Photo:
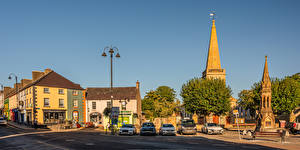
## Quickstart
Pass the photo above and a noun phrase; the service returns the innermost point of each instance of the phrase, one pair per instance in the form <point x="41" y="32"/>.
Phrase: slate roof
<point x="51" y="79"/>
<point x="119" y="93"/>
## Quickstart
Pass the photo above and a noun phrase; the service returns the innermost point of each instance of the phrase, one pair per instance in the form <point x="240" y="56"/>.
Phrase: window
<point x="29" y="90"/>
<point x="123" y="105"/>
<point x="108" y="104"/>
<point x="75" y="103"/>
<point x="94" y="105"/>
<point x="46" y="90"/>
<point x="30" y="105"/>
<point x="46" y="102"/>
<point x="75" y="92"/>
<point x="60" y="91"/>
<point x="26" y="102"/>
<point x="61" y="103"/>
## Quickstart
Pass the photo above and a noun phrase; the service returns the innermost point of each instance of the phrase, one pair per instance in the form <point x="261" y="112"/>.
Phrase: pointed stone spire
<point x="213" y="57"/>
<point x="213" y="63"/>
<point x="266" y="77"/>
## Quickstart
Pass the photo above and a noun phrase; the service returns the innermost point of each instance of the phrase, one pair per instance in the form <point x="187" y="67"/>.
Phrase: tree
<point x="285" y="95"/>
<point x="159" y="103"/>
<point x="205" y="96"/>
<point x="107" y="112"/>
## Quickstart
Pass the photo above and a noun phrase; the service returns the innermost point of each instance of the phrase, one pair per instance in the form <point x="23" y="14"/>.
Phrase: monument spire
<point x="266" y="77"/>
<point x="213" y="63"/>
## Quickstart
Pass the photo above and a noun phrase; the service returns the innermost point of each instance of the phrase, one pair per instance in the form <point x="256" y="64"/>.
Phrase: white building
<point x="128" y="100"/>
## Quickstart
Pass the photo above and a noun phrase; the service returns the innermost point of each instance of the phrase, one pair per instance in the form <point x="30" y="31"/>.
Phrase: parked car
<point x="3" y="121"/>
<point x="294" y="127"/>
<point x="148" y="128"/>
<point x="167" y="129"/>
<point x="212" y="128"/>
<point x="187" y="126"/>
<point x="127" y="129"/>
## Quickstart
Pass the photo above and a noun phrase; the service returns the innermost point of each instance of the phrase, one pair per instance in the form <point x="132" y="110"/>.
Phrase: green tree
<point x="159" y="103"/>
<point x="285" y="95"/>
<point x="205" y="96"/>
<point x="107" y="112"/>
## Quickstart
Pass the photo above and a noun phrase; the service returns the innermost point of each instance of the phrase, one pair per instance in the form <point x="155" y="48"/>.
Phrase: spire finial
<point x="212" y="15"/>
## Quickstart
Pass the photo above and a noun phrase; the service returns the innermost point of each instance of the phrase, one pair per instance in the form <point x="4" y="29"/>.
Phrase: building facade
<point x="75" y="106"/>
<point x="127" y="99"/>
<point x="42" y="100"/>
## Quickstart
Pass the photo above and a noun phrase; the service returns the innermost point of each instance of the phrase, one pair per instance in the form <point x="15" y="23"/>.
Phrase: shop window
<point x="46" y="102"/>
<point x="46" y="90"/>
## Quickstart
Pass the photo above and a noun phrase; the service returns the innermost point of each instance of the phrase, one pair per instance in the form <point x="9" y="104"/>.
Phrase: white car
<point x="212" y="128"/>
<point x="167" y="129"/>
<point x="127" y="129"/>
<point x="3" y="121"/>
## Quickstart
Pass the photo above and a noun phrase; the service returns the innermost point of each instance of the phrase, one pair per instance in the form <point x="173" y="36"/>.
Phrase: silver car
<point x="167" y="129"/>
<point x="212" y="128"/>
<point x="3" y="121"/>
<point x="127" y="129"/>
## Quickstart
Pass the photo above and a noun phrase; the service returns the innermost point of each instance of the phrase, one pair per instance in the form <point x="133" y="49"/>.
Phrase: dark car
<point x="187" y="126"/>
<point x="148" y="128"/>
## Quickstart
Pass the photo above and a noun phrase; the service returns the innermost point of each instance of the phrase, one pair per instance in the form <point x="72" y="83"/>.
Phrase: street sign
<point x="115" y="115"/>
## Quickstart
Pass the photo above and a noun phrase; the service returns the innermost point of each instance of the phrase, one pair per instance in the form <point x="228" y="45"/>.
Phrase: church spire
<point x="213" y="57"/>
<point x="213" y="63"/>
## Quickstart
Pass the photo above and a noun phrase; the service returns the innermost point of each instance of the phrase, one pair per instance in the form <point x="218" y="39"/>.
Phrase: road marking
<point x="90" y="144"/>
<point x="70" y="140"/>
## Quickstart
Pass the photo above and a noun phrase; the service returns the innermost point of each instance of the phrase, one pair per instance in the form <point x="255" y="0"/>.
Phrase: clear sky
<point x="161" y="42"/>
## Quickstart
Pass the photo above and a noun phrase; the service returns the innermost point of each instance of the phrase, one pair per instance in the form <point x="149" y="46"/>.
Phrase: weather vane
<point x="212" y="15"/>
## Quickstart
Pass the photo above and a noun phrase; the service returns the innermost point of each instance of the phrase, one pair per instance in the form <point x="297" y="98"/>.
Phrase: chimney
<point x="137" y="84"/>
<point x="19" y="85"/>
<point x="6" y="90"/>
<point x="36" y="75"/>
<point x="25" y="82"/>
<point x="48" y="70"/>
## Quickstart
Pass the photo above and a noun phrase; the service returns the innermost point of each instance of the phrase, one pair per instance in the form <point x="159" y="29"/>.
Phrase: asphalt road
<point x="12" y="138"/>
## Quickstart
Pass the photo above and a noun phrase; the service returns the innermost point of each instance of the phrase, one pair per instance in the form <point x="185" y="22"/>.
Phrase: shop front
<point x="125" y="117"/>
<point x="95" y="118"/>
<point x="52" y="117"/>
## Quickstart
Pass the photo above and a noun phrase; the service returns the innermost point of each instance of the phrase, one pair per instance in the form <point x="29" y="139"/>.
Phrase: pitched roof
<point x="51" y="79"/>
<point x="119" y="93"/>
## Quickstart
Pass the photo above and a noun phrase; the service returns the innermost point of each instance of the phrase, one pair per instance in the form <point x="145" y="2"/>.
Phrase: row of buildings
<point x="49" y="98"/>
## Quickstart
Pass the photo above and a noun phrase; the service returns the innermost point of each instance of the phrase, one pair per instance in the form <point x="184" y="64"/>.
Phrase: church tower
<point x="213" y="64"/>
<point x="267" y="119"/>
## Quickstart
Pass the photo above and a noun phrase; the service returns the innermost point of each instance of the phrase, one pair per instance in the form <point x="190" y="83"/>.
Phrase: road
<point x="12" y="138"/>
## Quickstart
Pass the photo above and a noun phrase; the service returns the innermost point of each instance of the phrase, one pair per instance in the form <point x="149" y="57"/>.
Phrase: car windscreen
<point x="168" y="125"/>
<point x="127" y="126"/>
<point x="188" y="123"/>
<point x="211" y="125"/>
<point x="148" y="125"/>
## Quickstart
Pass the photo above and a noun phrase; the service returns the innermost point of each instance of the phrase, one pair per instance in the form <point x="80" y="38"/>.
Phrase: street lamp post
<point x="111" y="51"/>
<point x="1" y="111"/>
<point x="16" y="78"/>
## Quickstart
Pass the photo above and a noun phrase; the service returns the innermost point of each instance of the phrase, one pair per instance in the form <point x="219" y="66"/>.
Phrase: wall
<point x="53" y="101"/>
<point x="71" y="108"/>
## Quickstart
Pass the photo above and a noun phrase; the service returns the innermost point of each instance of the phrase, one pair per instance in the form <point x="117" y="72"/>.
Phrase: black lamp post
<point x="111" y="50"/>
<point x="16" y="78"/>
<point x="1" y="112"/>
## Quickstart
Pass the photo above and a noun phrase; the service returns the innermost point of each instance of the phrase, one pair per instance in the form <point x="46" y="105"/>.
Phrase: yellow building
<point x="45" y="97"/>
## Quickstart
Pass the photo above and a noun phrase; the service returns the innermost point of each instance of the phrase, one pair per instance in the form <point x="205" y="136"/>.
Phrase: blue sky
<point x="161" y="42"/>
